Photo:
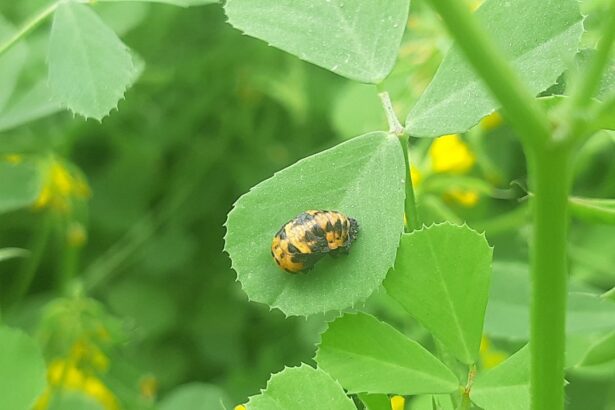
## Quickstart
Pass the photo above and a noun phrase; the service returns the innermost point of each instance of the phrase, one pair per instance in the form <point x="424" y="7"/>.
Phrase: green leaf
<point x="353" y="38"/>
<point x="375" y="401"/>
<point x="33" y="104"/>
<point x="358" y="110"/>
<point x="539" y="38"/>
<point x="593" y="209"/>
<point x="366" y="355"/>
<point x="363" y="178"/>
<point x="20" y="184"/>
<point x="508" y="311"/>
<point x="74" y="400"/>
<point x="11" y="63"/>
<point x="11" y="253"/>
<point x="301" y="388"/>
<point x="22" y="370"/>
<point x="89" y="66"/>
<point x="441" y="277"/>
<point x="506" y="386"/>
<point x="601" y="351"/>
<point x="180" y="3"/>
<point x="195" y="396"/>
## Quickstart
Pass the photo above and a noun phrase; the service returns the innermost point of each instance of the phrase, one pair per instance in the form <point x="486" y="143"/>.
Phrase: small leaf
<point x="366" y="355"/>
<point x="539" y="38"/>
<point x="89" y="66"/>
<point x="505" y="387"/>
<point x="353" y="38"/>
<point x="20" y="184"/>
<point x="195" y="396"/>
<point x="363" y="178"/>
<point x="593" y="209"/>
<point x="22" y="370"/>
<point x="601" y="351"/>
<point x="441" y="277"/>
<point x="301" y="388"/>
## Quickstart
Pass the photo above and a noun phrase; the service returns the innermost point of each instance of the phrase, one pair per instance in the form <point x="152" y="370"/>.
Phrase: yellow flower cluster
<point x="450" y="154"/>
<point x="60" y="187"/>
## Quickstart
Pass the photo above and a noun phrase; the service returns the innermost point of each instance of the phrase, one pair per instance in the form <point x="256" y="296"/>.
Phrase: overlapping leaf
<point x="363" y="178"/>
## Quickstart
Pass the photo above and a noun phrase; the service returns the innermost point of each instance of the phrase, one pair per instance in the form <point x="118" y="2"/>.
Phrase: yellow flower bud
<point x="398" y="403"/>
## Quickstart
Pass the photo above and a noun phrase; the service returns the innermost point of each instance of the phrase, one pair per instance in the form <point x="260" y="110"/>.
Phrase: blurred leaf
<point x="74" y="400"/>
<point x="20" y="184"/>
<point x="601" y="351"/>
<point x="195" y="396"/>
<point x="508" y="310"/>
<point x="35" y="103"/>
<point x="301" y="388"/>
<point x="366" y="355"/>
<point x="22" y="370"/>
<point x="505" y="387"/>
<point x="11" y="63"/>
<point x="181" y="3"/>
<point x="593" y="209"/>
<point x="122" y="18"/>
<point x="538" y="38"/>
<point x="11" y="253"/>
<point x="353" y="38"/>
<point x="354" y="178"/>
<point x="358" y="110"/>
<point x="441" y="277"/>
<point x="375" y="401"/>
<point x="89" y="66"/>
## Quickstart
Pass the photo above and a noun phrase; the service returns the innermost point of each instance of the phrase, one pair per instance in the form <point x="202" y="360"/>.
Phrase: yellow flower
<point x="60" y="187"/>
<point x="463" y="198"/>
<point x="491" y="121"/>
<point x="398" y="403"/>
<point x="240" y="407"/>
<point x="450" y="154"/>
<point x="488" y="356"/>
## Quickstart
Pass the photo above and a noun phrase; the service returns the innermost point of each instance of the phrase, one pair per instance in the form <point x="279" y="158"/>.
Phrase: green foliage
<point x="505" y="387"/>
<point x="22" y="370"/>
<point x="593" y="210"/>
<point x="301" y="387"/>
<point x="352" y="38"/>
<point x="197" y="396"/>
<point x="181" y="3"/>
<point x="74" y="401"/>
<point x="20" y="184"/>
<point x="89" y="66"/>
<point x="375" y="401"/>
<point x="539" y="38"/>
<point x="352" y="178"/>
<point x="10" y="253"/>
<point x="366" y="355"/>
<point x="11" y="63"/>
<point x="441" y="277"/>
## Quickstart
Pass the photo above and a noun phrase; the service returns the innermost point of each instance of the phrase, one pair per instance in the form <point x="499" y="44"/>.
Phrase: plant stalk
<point x="550" y="173"/>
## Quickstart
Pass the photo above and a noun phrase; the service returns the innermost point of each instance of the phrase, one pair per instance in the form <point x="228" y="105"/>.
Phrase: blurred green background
<point x="214" y="113"/>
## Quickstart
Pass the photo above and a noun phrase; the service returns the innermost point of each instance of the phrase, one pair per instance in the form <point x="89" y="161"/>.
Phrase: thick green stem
<point x="518" y="104"/>
<point x="550" y="176"/>
<point x="28" y="27"/>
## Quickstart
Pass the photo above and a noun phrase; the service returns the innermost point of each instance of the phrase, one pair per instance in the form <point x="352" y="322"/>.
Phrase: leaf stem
<point x="518" y="104"/>
<point x="28" y="26"/>
<point x="395" y="127"/>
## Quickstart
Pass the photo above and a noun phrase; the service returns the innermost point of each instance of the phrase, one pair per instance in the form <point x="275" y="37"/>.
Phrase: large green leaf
<point x="505" y="387"/>
<point x="539" y="38"/>
<point x="363" y="178"/>
<point x="354" y="38"/>
<point x="20" y="184"/>
<point x="11" y="63"/>
<point x="301" y="388"/>
<point x="89" y="66"/>
<point x="195" y="396"/>
<point x="181" y="3"/>
<point x="508" y="311"/>
<point x="366" y="355"/>
<point x="441" y="277"/>
<point x="22" y="370"/>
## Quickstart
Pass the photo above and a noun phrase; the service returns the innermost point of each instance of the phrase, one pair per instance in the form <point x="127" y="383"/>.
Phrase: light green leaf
<point x="195" y="396"/>
<point x="33" y="104"/>
<point x="601" y="351"/>
<point x="20" y="184"/>
<point x="358" y="110"/>
<point x="74" y="400"/>
<point x="301" y="388"/>
<point x="363" y="178"/>
<point x="11" y="253"/>
<point x="593" y="209"/>
<point x="366" y="355"/>
<point x="22" y="370"/>
<point x="375" y="401"/>
<point x="441" y="277"/>
<point x="539" y="38"/>
<point x="353" y="38"/>
<point x="89" y="66"/>
<point x="506" y="386"/>
<point x="11" y="63"/>
<point x="508" y="310"/>
<point x="181" y="3"/>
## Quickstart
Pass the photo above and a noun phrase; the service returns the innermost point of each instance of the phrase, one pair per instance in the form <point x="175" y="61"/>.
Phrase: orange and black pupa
<point x="305" y="239"/>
